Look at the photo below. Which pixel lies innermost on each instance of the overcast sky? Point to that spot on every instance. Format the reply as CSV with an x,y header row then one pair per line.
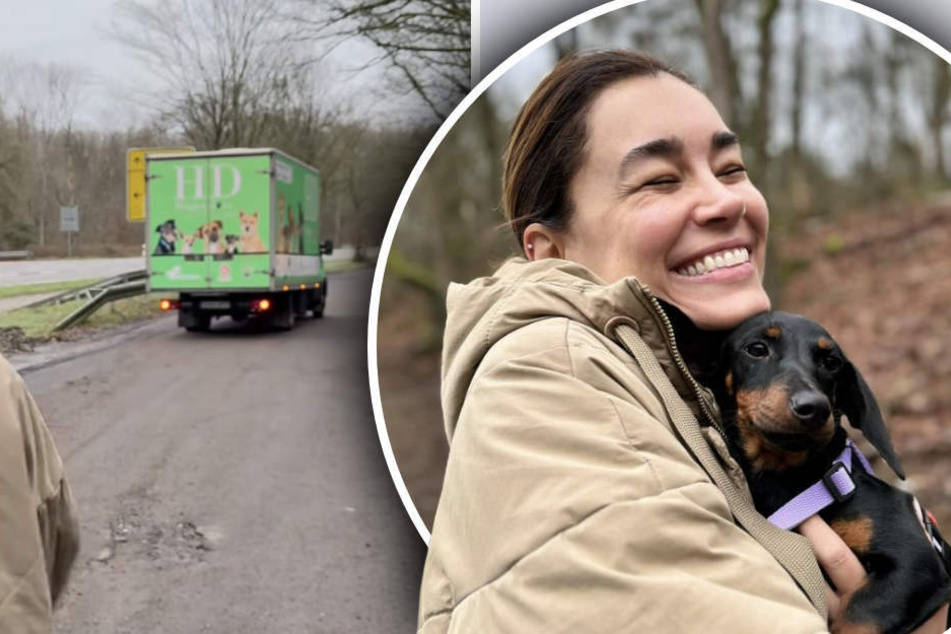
x,y
76,33
71,33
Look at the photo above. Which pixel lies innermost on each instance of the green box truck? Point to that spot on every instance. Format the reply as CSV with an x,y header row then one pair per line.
x,y
236,233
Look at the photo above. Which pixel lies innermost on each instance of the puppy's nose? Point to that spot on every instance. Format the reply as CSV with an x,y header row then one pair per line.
x,y
812,409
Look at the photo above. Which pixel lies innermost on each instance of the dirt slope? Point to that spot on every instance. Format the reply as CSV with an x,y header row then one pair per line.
x,y
881,284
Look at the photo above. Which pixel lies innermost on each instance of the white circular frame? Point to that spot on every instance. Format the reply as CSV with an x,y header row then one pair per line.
x,y
447,125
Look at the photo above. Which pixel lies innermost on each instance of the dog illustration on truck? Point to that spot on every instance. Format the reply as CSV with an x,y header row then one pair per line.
x,y
235,260
250,238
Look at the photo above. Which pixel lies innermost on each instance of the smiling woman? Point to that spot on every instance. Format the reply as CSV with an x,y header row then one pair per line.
x,y
588,486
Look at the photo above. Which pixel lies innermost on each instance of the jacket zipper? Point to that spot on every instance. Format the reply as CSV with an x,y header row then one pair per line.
x,y
679,360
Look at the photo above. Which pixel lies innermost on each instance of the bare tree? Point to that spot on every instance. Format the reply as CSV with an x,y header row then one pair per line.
x,y
43,98
11,171
791,176
724,77
761,123
799,82
425,42
222,65
47,95
938,117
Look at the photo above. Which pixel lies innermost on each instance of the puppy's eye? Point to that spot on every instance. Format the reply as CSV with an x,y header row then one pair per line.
x,y
757,349
831,364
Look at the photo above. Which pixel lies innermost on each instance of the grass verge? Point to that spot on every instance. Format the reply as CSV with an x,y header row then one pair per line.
x,y
48,287
38,323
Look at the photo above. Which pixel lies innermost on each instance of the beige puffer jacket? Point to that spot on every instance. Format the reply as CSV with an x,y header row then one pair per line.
x,y
39,533
581,493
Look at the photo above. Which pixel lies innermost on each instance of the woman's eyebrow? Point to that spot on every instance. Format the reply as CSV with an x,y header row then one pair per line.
x,y
662,148
724,139
671,146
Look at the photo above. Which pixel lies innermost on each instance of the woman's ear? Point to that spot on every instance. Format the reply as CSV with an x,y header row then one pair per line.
x,y
540,242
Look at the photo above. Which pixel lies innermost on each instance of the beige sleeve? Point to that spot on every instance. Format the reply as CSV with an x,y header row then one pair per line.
x,y
39,532
569,506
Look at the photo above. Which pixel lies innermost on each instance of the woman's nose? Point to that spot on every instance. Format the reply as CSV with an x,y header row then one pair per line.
x,y
718,204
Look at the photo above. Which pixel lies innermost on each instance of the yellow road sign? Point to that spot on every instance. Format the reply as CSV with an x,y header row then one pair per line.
x,y
135,178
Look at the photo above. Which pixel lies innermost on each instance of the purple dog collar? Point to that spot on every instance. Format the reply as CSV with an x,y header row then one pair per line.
x,y
835,486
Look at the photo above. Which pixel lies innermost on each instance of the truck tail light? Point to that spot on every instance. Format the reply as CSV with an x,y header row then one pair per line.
x,y
168,304
263,305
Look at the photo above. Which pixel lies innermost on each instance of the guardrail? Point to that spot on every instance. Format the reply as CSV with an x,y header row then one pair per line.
x,y
111,294
93,290
97,295
16,255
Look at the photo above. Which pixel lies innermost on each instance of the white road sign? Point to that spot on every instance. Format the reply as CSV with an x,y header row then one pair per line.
x,y
69,219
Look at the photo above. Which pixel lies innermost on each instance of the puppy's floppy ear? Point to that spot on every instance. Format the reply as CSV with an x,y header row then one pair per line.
x,y
854,399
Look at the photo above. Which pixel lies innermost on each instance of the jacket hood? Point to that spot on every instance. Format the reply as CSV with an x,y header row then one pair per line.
x,y
521,292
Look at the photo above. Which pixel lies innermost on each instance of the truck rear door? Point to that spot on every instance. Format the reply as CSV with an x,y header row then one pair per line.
x,y
177,206
237,233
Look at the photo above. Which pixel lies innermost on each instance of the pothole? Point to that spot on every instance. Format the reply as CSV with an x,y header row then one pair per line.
x,y
132,537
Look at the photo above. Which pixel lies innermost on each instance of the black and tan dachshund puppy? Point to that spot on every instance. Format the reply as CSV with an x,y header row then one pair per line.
x,y
782,384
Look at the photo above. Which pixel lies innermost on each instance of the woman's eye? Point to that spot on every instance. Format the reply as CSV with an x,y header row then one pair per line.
x,y
757,350
659,182
734,170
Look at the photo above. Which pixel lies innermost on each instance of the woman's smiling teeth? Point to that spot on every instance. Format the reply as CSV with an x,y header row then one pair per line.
x,y
714,261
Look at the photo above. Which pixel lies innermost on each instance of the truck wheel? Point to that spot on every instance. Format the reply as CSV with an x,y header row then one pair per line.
x,y
198,323
285,317
320,301
300,302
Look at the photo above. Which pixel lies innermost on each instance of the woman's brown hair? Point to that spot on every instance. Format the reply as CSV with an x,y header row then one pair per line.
x,y
546,146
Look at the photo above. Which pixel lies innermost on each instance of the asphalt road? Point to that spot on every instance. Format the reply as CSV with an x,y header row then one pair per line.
x,y
232,481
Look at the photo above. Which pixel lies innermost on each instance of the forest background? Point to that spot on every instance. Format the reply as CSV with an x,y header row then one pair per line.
x,y
845,126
